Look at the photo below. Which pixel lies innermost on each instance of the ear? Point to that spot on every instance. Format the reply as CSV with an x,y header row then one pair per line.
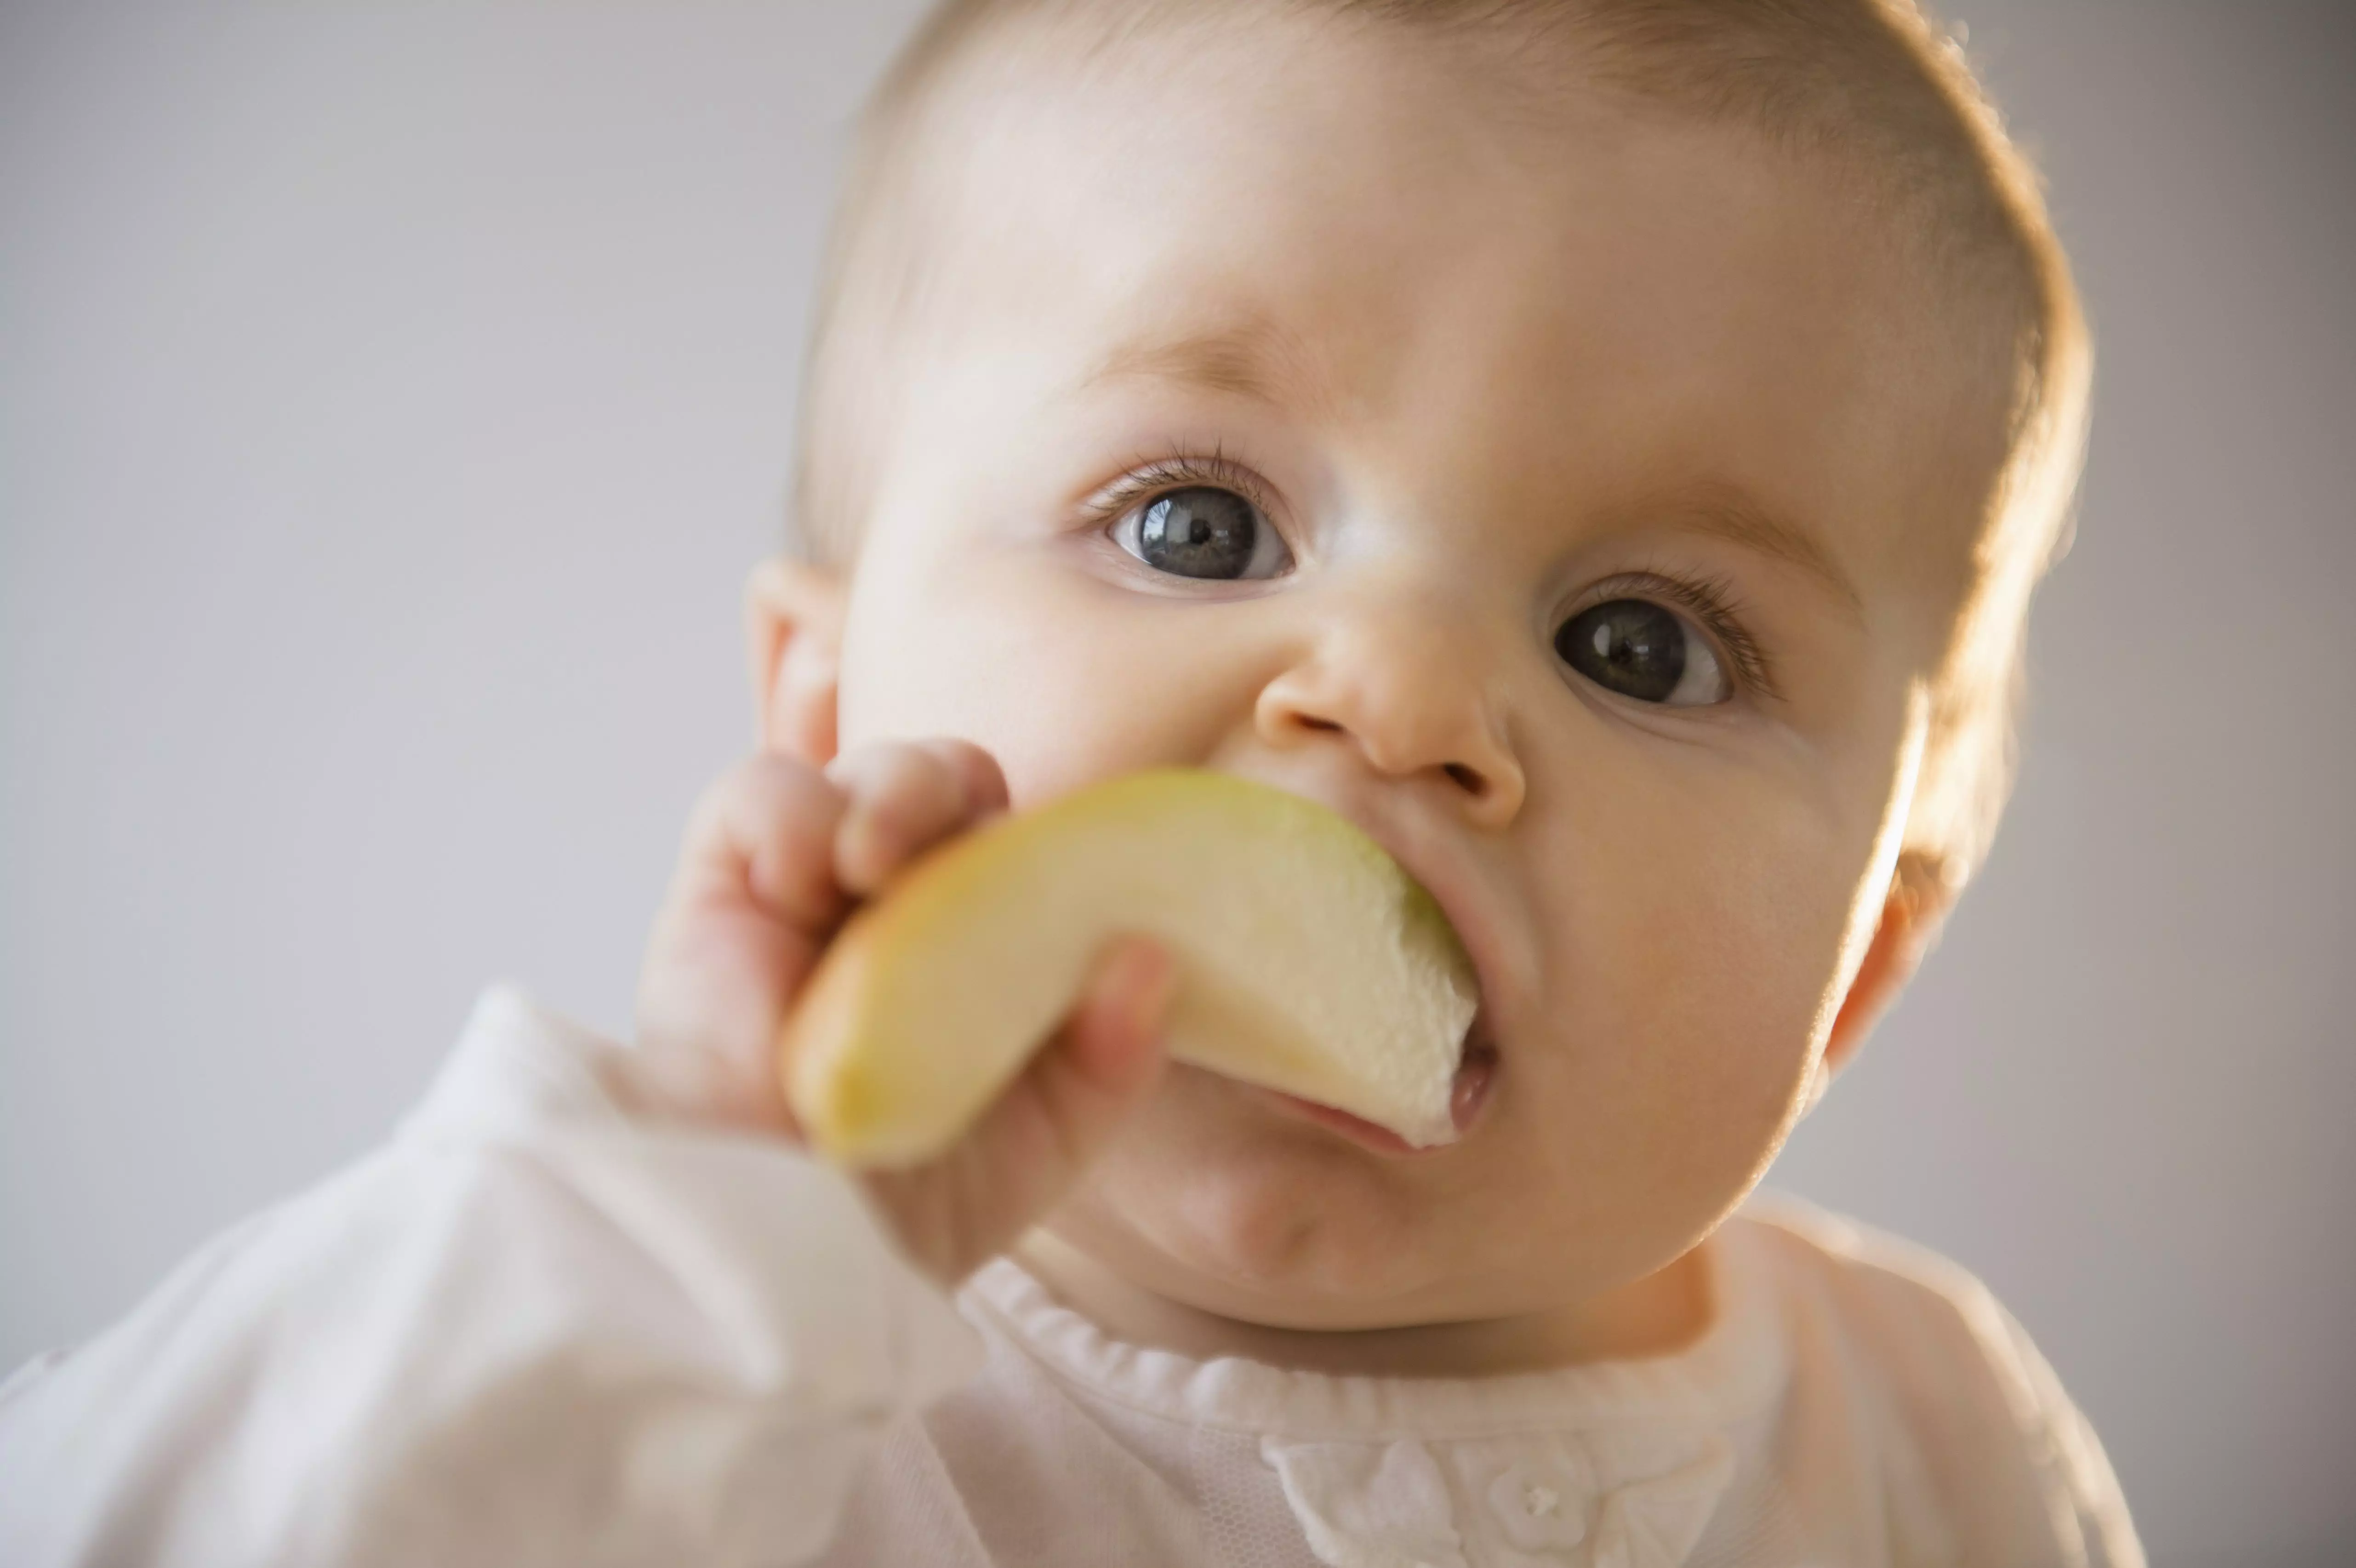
x,y
1911,913
793,639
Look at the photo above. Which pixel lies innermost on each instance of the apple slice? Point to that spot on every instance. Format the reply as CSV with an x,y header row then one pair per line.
x,y
1309,961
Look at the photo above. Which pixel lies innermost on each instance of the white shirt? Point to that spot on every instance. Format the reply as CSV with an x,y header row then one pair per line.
x,y
541,1325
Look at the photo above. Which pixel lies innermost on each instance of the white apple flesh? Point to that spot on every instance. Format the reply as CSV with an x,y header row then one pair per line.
x,y
1309,962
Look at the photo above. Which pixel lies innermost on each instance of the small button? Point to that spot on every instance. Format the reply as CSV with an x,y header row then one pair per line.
x,y
1539,1507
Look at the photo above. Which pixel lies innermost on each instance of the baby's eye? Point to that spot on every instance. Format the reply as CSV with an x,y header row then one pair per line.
x,y
1639,650
1203,531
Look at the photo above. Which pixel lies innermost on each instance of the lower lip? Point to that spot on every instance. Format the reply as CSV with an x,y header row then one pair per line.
x,y
1471,1092
1357,1129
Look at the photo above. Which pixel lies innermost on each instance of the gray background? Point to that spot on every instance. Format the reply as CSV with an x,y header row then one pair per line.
x,y
391,398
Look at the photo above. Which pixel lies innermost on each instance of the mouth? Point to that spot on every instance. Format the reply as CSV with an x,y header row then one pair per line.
x,y
1479,1058
1476,1071
1422,852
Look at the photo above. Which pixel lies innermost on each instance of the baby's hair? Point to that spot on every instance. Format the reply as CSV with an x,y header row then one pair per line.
x,y
1872,88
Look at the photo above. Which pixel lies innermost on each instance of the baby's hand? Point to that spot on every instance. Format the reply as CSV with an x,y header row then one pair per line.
x,y
777,853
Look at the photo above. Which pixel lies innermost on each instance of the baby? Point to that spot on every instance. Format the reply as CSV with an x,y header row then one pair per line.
x,y
1603,448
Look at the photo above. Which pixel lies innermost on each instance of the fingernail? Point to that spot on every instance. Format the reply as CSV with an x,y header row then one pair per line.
x,y
858,848
1153,974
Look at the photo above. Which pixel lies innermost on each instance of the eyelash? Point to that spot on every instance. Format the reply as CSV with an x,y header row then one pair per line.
x,y
1156,477
1710,600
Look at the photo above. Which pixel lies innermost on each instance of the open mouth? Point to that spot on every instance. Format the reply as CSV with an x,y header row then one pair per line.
x,y
1476,1073
1476,1070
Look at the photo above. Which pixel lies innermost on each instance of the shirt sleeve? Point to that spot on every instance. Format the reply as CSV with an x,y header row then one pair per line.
x,y
540,1325
2084,1494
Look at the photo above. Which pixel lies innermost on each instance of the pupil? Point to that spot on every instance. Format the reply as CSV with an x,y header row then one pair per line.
x,y
1199,532
1633,648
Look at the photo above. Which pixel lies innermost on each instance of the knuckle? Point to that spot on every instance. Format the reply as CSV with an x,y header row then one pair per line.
x,y
979,783
909,785
767,797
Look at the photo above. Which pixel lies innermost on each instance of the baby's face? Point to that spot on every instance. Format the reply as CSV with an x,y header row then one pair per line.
x,y
1581,501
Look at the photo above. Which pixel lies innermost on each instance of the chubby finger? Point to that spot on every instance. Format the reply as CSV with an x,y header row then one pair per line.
x,y
1109,1050
903,797
976,768
1055,1121
767,826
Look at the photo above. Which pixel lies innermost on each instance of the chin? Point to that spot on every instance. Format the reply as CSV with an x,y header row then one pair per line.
x,y
1268,1222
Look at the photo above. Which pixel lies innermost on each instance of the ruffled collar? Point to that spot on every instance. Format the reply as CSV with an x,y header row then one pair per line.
x,y
1736,1366
1611,1464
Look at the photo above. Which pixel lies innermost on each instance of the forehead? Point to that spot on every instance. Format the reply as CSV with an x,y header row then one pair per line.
x,y
1470,283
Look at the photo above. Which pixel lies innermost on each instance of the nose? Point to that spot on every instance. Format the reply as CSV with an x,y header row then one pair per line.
x,y
1406,685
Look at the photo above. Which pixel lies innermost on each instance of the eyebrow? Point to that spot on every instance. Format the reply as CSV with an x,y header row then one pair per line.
x,y
1245,359
1721,511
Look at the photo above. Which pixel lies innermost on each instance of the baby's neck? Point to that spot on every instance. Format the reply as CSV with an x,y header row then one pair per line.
x,y
1657,1314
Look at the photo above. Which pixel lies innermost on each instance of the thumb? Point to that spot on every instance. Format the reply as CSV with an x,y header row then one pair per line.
x,y
1108,1052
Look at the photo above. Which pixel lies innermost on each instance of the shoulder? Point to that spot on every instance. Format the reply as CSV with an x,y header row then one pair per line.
x,y
1920,1315
1918,1355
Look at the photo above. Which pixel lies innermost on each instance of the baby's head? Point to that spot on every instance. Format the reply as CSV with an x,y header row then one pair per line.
x,y
1603,446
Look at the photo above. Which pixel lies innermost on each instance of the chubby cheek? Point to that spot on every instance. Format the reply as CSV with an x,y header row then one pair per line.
x,y
1063,679
1693,932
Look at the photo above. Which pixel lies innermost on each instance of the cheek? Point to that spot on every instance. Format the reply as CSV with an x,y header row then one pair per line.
x,y
1064,678
1694,916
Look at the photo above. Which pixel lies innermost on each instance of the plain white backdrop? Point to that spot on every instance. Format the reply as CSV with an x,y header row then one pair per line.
x,y
391,398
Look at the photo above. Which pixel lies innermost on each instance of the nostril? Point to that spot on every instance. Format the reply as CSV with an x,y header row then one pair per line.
x,y
1310,722
1471,781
